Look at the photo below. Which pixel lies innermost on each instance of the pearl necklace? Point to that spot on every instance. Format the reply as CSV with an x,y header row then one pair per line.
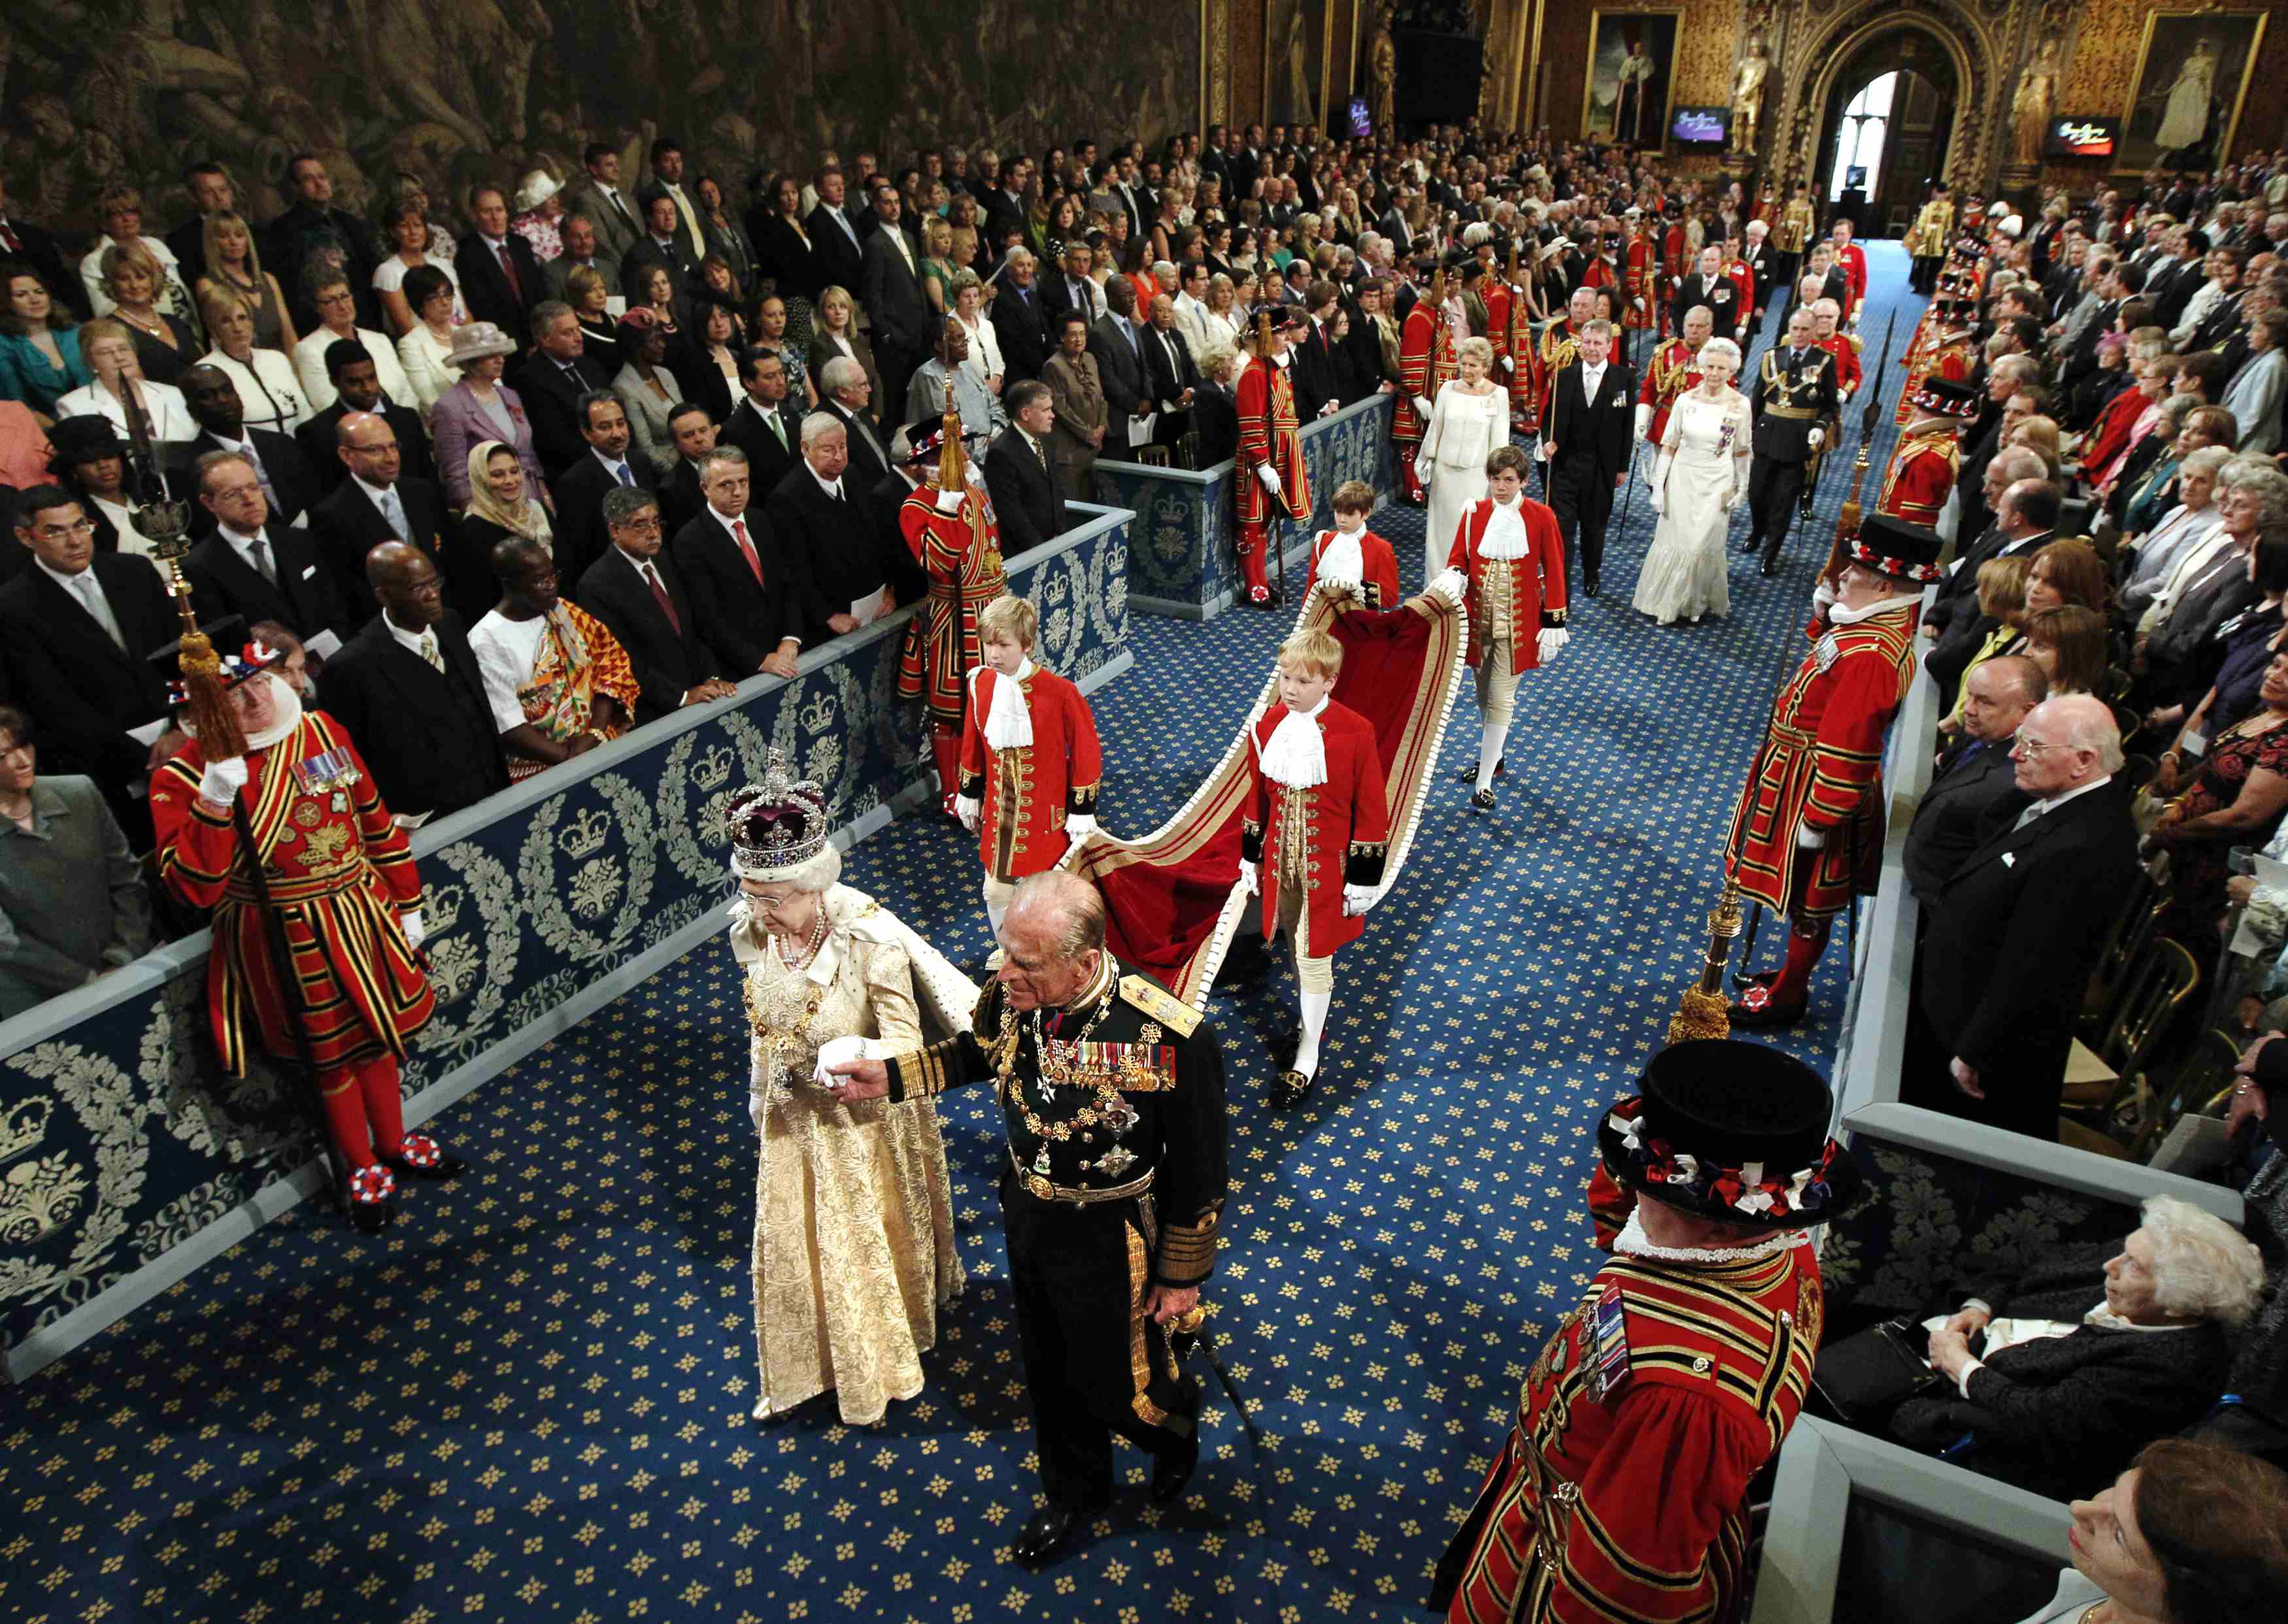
x,y
810,950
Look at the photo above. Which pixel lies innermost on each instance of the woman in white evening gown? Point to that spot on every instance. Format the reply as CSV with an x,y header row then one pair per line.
x,y
1697,478
1470,418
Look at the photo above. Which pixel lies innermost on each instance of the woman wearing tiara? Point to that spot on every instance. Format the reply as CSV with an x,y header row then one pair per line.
x,y
854,1219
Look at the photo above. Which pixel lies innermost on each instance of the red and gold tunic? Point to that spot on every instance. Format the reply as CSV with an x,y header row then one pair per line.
x,y
1640,281
960,551
1851,260
1426,362
1673,368
1499,327
1621,1494
1845,348
1525,594
1378,585
1026,793
1821,765
1267,433
1560,343
1794,229
1744,277
339,872
1920,477
1326,837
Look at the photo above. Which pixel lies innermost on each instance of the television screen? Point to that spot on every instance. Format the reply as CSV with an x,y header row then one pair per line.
x,y
1701,127
1361,122
2078,137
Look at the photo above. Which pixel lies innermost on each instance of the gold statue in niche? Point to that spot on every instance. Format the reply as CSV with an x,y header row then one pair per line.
x,y
1382,74
2032,107
1748,95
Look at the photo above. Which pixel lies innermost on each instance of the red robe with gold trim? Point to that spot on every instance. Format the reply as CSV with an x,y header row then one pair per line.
x,y
1920,478
1025,794
1945,355
1346,825
960,551
1269,434
1378,590
339,873
1821,764
1498,328
1673,368
1848,370
1536,580
1742,276
1628,1501
1426,362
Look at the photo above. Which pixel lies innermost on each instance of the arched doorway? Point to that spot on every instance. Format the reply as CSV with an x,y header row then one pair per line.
x,y
1884,132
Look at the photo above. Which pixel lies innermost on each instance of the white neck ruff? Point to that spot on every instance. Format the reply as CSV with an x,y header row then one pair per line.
x,y
1344,561
1297,754
1008,724
1633,1242
1504,537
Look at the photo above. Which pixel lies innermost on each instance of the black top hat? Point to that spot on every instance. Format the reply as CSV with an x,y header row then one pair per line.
x,y
241,661
83,439
1733,1132
923,438
1942,397
1902,551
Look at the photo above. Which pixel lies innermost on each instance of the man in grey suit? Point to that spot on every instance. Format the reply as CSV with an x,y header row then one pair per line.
x,y
905,331
617,217
581,249
1118,348
71,893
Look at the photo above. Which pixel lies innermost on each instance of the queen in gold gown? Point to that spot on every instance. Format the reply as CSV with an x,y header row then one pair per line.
x,y
854,1251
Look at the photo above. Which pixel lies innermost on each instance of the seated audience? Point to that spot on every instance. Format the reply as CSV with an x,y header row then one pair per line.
x,y
287,485
2070,643
97,467
2235,797
251,567
603,466
589,295
648,391
407,689
313,358
826,529
132,283
2091,1354
357,391
557,680
405,228
425,348
847,395
552,380
378,502
262,376
1971,640
119,391
2155,552
1018,475
640,596
72,903
747,591
40,360
479,408
233,265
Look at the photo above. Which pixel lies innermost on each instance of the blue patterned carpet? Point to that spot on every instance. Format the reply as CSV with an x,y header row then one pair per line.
x,y
528,1400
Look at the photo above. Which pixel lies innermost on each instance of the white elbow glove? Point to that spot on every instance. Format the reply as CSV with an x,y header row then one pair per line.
x,y
1809,838
1551,640
758,1108
966,807
1249,878
1269,476
408,920
222,781
1357,900
1079,823
1644,419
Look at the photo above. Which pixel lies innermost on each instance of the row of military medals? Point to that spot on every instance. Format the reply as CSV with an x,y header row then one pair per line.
x,y
1067,1064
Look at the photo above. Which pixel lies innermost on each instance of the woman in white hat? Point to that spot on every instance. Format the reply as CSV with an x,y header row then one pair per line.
x,y
480,408
540,214
854,1221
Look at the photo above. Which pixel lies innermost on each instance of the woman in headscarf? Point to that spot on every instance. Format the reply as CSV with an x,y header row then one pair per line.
x,y
501,504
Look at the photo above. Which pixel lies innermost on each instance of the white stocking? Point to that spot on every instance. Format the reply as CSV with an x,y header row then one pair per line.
x,y
1314,1028
1490,740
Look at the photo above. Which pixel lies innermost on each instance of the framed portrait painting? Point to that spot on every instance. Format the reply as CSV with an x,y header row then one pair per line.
x,y
1632,70
2193,70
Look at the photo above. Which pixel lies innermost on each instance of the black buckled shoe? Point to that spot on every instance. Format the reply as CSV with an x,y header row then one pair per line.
x,y
1755,1008
368,1196
1483,801
1469,774
1290,1090
1173,1468
1046,1533
425,1159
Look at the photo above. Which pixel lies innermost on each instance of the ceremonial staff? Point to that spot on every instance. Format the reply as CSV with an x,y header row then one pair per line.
x,y
1271,542
1847,522
165,524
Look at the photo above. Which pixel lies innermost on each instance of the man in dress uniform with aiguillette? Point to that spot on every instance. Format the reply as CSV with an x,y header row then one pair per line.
x,y
1112,1100
1622,1493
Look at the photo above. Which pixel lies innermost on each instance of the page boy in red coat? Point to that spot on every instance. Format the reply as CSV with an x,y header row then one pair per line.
x,y
1316,834
1509,546
1353,556
1030,767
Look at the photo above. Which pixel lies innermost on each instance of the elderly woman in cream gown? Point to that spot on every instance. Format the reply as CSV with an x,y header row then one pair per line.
x,y
854,1251
1470,418
1698,479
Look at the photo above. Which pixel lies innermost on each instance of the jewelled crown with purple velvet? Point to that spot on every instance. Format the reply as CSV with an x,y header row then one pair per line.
x,y
776,823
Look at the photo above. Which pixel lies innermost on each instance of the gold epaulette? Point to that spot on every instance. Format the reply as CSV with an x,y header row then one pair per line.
x,y
1857,343
1142,993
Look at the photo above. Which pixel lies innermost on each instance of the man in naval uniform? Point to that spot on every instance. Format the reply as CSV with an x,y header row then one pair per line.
x,y
1112,1100
1622,1492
